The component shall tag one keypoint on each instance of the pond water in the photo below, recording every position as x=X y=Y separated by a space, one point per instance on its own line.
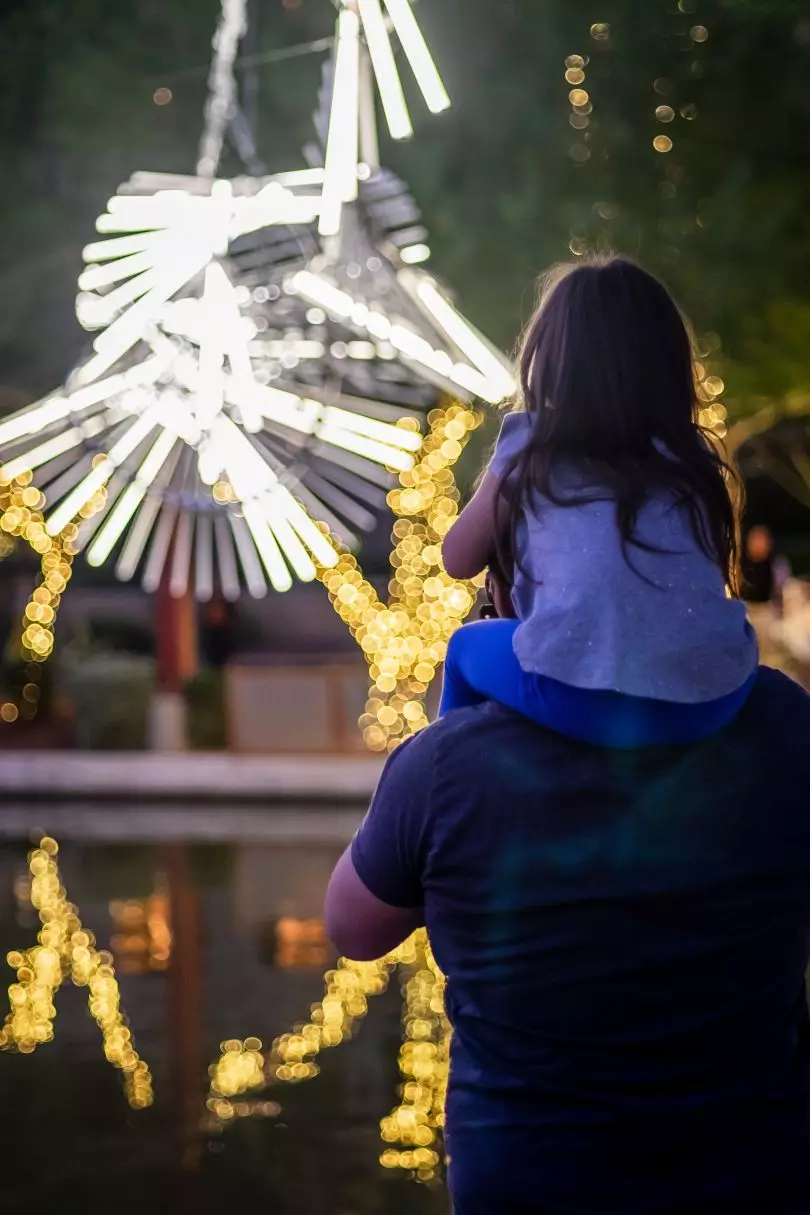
x=209 y=943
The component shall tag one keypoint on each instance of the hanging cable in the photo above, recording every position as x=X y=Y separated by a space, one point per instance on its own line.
x=221 y=85
x=259 y=59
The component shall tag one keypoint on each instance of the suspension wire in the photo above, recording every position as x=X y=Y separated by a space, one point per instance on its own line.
x=259 y=59
x=221 y=101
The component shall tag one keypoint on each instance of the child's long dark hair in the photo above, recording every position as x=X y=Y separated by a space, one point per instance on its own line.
x=608 y=376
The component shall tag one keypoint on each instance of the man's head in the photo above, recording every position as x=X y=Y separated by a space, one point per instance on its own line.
x=759 y=543
x=499 y=592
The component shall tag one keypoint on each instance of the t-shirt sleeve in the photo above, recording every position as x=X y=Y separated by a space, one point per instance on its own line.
x=515 y=433
x=389 y=847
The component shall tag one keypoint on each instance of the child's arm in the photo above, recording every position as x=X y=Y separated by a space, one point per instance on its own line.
x=473 y=540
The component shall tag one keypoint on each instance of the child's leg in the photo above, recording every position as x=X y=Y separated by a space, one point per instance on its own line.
x=481 y=665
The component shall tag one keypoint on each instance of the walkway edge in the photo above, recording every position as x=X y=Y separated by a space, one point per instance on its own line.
x=211 y=777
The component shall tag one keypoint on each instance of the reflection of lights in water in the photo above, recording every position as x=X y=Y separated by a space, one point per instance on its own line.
x=66 y=950
x=412 y=1132
x=22 y=898
x=300 y=944
x=242 y=1067
x=144 y=940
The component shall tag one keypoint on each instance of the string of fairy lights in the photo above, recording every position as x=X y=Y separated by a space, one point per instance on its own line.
x=21 y=518
x=67 y=950
x=405 y=640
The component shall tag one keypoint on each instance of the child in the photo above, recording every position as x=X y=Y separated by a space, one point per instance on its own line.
x=618 y=511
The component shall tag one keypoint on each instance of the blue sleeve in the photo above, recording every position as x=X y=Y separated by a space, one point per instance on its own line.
x=388 y=849
x=515 y=433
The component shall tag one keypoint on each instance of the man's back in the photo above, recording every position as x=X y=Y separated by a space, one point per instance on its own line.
x=625 y=938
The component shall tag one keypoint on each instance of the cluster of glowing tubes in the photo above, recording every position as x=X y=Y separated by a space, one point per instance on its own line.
x=65 y=949
x=348 y=100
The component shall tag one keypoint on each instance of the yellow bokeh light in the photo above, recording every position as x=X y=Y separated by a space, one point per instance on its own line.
x=66 y=950
x=400 y=638
x=662 y=143
x=21 y=518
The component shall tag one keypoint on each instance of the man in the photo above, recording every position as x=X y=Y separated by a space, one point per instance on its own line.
x=625 y=937
x=764 y=573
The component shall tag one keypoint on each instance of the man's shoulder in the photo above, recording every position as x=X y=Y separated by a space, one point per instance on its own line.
x=775 y=693
x=474 y=736
x=468 y=735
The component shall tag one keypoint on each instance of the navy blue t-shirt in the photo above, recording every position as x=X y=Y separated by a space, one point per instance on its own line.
x=625 y=937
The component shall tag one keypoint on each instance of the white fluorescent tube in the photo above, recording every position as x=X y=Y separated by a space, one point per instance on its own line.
x=473 y=382
x=38 y=456
x=129 y=328
x=459 y=331
x=226 y=559
x=394 y=436
x=318 y=291
x=247 y=555
x=54 y=408
x=300 y=177
x=161 y=542
x=130 y=500
x=137 y=538
x=210 y=381
x=288 y=541
x=114 y=525
x=390 y=457
x=79 y=497
x=340 y=170
x=119 y=246
x=114 y=272
x=181 y=556
x=419 y=56
x=204 y=559
x=101 y=309
x=94 y=480
x=317 y=543
x=385 y=69
x=414 y=255
x=270 y=553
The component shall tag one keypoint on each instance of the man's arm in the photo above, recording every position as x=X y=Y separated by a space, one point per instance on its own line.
x=376 y=897
x=359 y=924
